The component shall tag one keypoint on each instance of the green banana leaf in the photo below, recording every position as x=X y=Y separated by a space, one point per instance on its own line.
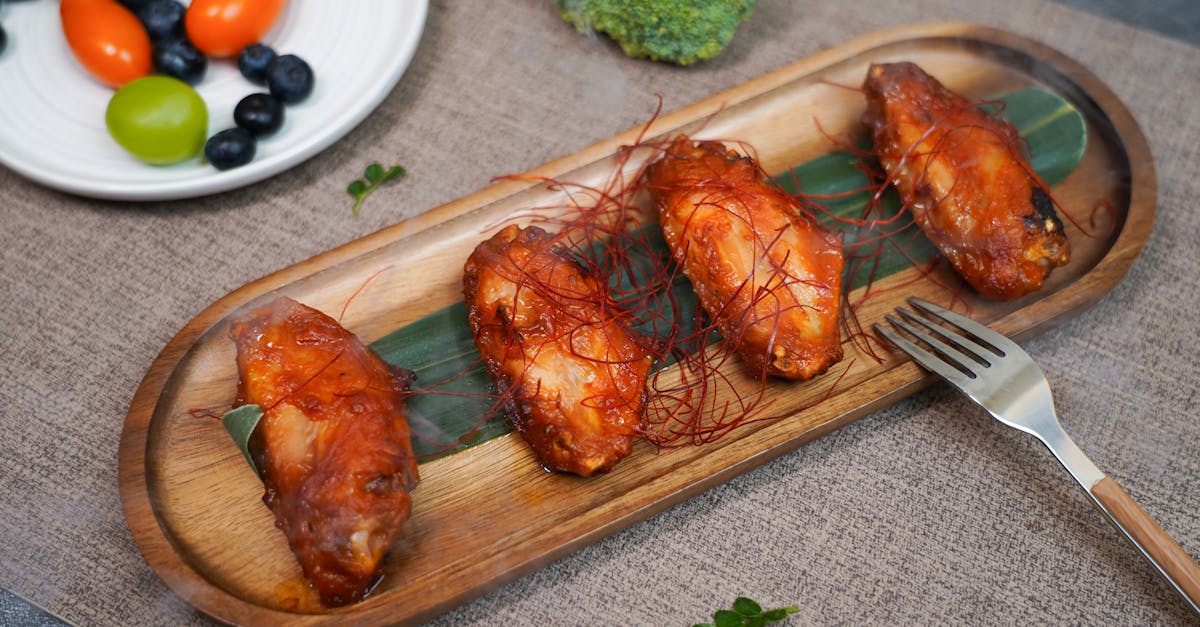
x=440 y=350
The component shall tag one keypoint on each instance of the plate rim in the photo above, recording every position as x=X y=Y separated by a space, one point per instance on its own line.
x=228 y=180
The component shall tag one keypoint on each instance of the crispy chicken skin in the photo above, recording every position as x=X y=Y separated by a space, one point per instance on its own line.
x=770 y=278
x=965 y=176
x=573 y=375
x=333 y=445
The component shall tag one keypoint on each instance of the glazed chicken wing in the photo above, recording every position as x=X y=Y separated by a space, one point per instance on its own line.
x=970 y=187
x=573 y=375
x=333 y=444
x=770 y=278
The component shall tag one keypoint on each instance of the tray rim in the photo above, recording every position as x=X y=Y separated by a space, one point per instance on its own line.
x=1033 y=318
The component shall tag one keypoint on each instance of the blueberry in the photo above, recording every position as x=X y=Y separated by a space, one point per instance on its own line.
x=230 y=148
x=261 y=114
x=179 y=58
x=135 y=5
x=163 y=19
x=289 y=78
x=253 y=62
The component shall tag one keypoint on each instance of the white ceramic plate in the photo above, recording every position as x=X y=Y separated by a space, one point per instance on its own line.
x=52 y=111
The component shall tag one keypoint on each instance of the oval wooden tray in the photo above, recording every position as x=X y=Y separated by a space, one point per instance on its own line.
x=489 y=514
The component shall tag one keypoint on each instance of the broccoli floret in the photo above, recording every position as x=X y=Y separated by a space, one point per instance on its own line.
x=677 y=31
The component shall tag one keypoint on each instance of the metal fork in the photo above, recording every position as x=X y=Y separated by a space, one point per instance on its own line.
x=996 y=373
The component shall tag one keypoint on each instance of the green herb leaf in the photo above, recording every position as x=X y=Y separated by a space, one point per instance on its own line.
x=727 y=618
x=374 y=176
x=749 y=613
x=780 y=614
x=240 y=423
x=746 y=607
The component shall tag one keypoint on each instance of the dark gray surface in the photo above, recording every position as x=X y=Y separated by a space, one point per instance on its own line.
x=16 y=611
x=1176 y=18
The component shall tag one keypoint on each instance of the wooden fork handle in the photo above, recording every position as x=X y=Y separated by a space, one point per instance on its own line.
x=1170 y=558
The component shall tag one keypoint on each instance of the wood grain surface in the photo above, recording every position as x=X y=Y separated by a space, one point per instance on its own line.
x=1150 y=536
x=489 y=514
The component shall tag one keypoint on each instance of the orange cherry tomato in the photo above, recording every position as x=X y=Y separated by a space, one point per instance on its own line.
x=107 y=39
x=221 y=28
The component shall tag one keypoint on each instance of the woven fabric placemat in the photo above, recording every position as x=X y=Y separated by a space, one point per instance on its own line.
x=923 y=512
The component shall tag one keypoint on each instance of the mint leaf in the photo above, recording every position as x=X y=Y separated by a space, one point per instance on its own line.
x=775 y=615
x=393 y=172
x=727 y=618
x=373 y=176
x=746 y=607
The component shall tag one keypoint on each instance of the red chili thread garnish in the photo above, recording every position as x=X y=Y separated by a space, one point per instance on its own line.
x=697 y=394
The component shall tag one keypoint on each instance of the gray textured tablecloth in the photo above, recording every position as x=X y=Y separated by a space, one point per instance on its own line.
x=926 y=512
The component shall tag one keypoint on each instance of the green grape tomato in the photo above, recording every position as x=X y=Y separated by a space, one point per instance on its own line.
x=158 y=119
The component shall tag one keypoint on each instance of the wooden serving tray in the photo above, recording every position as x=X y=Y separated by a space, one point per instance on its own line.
x=490 y=514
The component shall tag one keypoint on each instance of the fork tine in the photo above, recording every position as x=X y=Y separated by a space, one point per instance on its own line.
x=964 y=345
x=943 y=351
x=927 y=359
x=1002 y=345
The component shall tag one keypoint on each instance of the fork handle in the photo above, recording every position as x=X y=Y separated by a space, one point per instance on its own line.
x=1160 y=548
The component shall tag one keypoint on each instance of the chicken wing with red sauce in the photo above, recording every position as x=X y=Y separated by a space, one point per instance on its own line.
x=572 y=374
x=333 y=444
x=770 y=278
x=965 y=176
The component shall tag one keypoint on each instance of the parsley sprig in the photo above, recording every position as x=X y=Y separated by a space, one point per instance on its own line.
x=373 y=177
x=748 y=613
